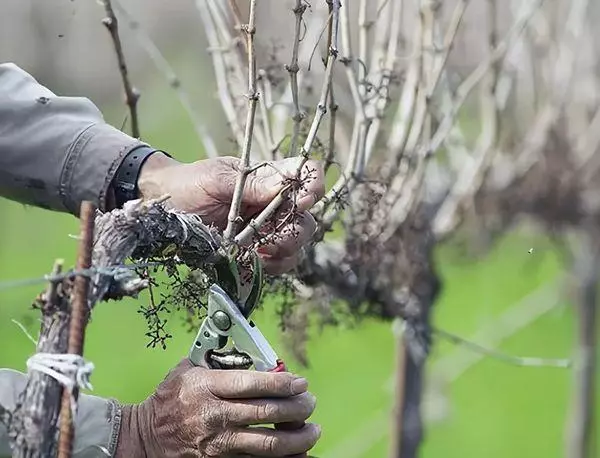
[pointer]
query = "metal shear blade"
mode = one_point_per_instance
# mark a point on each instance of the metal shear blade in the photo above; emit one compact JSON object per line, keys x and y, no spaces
{"x":225,"y":320}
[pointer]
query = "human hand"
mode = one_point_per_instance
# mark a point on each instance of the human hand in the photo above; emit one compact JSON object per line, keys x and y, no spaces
{"x":206,"y":188}
{"x":198,"y":412}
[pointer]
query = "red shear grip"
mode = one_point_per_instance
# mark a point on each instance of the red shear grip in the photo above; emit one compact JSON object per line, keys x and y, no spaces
{"x":292,"y":425}
{"x":280,"y":367}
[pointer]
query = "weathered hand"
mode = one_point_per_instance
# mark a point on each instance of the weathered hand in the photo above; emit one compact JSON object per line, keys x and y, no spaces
{"x":197,"y":412}
{"x":206,"y":188}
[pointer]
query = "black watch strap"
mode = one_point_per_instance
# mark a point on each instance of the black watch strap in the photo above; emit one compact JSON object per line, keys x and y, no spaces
{"x":125,"y":181}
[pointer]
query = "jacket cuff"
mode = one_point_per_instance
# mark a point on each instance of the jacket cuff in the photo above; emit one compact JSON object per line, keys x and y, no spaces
{"x":97,"y":426}
{"x":91,"y":164}
{"x":97,"y":421}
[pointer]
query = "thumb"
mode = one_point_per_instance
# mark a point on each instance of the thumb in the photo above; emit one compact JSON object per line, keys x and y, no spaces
{"x":264,"y":184}
{"x":262,"y":189}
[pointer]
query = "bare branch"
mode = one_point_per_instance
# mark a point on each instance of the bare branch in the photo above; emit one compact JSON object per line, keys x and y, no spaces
{"x":246,"y":234}
{"x":292,"y":69}
{"x":216,"y":52}
{"x":404,"y":113}
{"x":236,"y":203}
{"x":479,"y":73}
{"x":131,"y":94}
{"x":169,"y":74}
{"x":363,"y":43}
{"x":355,"y":166}
{"x":560,"y":88}
{"x":470,"y":178}
{"x":333,"y":107}
{"x":264,"y":86}
{"x":235,"y":66}
{"x":387,"y":55}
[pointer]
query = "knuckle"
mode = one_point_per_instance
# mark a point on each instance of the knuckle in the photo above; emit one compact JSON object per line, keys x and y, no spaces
{"x":267,"y":383}
{"x":208,"y":382}
{"x":271,"y":443}
{"x":288,"y":383}
{"x":220,"y":445}
{"x":216,"y":415}
{"x":267,"y":410}
{"x":236,"y":381}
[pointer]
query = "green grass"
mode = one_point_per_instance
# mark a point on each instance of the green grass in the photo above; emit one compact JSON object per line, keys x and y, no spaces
{"x":494,"y":410}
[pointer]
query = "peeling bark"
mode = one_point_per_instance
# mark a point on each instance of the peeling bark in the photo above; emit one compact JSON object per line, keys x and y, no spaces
{"x":32,"y":426}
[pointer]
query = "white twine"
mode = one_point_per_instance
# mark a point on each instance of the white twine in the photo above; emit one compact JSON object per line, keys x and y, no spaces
{"x":68,"y":369}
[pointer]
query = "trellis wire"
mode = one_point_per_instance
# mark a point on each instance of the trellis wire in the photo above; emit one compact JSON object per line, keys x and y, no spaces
{"x":115,"y":271}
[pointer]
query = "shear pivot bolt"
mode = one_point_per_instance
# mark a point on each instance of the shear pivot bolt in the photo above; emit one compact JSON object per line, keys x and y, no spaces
{"x":221,"y":320}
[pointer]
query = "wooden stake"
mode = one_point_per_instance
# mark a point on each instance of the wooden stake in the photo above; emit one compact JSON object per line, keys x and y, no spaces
{"x":79,"y":315}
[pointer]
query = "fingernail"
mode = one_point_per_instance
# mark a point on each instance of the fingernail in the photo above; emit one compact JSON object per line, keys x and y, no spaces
{"x":319,"y":430}
{"x":299,"y":385}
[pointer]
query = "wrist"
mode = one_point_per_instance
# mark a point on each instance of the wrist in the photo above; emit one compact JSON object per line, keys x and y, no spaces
{"x":150,"y":181}
{"x":139,"y":162}
{"x":130,"y":443}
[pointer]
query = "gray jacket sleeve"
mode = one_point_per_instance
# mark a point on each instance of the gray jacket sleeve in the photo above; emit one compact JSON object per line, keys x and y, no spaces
{"x":54,"y":151}
{"x":97,"y":421}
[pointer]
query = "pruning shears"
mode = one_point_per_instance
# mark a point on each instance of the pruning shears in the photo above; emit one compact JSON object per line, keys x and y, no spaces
{"x":228,"y":317}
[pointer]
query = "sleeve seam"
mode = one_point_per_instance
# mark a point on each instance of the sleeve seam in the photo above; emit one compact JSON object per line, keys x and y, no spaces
{"x":73,"y":154}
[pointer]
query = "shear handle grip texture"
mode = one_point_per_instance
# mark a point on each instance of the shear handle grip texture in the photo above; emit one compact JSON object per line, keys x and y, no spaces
{"x":292,"y":425}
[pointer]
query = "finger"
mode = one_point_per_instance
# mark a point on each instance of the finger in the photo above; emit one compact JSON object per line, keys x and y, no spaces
{"x":291,"y":237}
{"x":264,"y":184}
{"x":270,"y":442}
{"x":279,"y":266}
{"x":240,"y":384}
{"x":261,"y":411}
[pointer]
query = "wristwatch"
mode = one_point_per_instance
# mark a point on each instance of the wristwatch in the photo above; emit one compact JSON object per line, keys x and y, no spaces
{"x":124,"y":183}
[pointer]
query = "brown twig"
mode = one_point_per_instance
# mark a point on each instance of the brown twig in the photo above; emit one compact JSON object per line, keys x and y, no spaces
{"x":131,"y":94}
{"x":173,"y":80}
{"x":237,"y":22}
{"x":79,"y":315}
